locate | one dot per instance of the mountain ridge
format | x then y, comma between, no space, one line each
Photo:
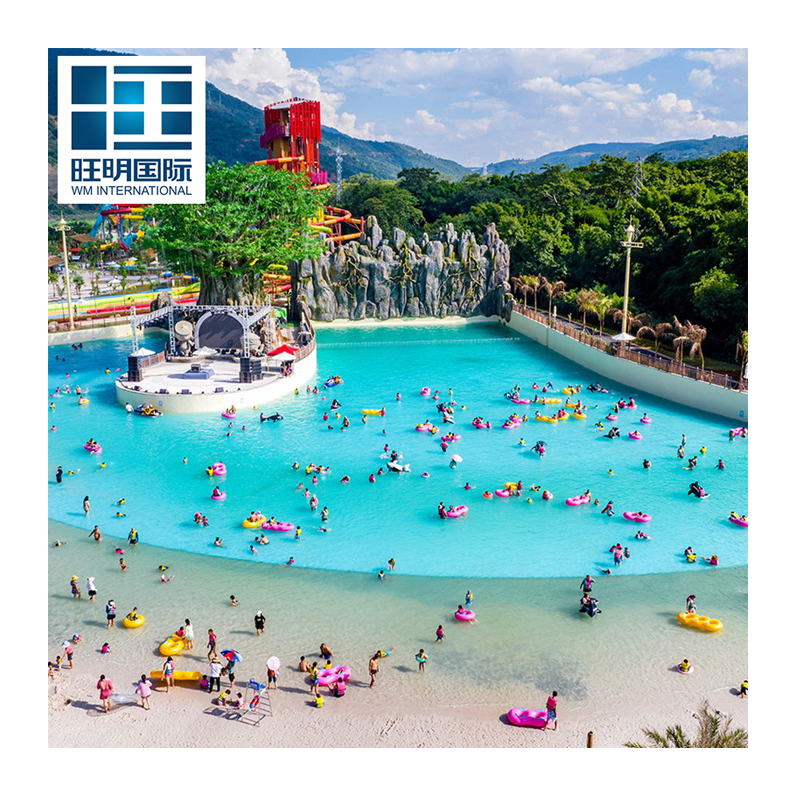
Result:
233,128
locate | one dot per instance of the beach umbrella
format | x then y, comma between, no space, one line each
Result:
457,458
273,662
232,655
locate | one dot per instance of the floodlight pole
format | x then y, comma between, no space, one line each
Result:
63,227
628,244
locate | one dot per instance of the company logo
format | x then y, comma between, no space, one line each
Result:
131,127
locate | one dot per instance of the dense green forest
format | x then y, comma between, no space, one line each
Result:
564,228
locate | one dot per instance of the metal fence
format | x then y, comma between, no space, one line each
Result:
634,354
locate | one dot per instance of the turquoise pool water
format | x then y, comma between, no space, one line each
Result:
395,517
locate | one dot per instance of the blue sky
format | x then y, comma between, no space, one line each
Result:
483,105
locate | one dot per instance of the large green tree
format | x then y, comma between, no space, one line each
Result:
253,219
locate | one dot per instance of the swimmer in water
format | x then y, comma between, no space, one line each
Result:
646,464
218,542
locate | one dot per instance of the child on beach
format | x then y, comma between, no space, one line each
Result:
440,634
105,648
144,690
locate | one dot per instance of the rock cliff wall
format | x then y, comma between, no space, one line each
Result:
380,277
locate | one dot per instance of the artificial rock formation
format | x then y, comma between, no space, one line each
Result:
377,277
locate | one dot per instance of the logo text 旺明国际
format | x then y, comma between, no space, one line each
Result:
131,126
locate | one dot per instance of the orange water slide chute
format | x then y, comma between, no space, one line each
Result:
283,160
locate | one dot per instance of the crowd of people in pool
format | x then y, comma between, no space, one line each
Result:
588,603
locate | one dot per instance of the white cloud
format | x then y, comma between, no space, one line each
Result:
701,78
720,59
425,121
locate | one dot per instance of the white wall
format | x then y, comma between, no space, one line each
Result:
686,391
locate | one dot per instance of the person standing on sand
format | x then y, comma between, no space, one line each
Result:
440,637
73,583
106,690
212,643
91,589
551,711
260,620
214,672
373,668
143,689
421,659
111,613
168,673
189,631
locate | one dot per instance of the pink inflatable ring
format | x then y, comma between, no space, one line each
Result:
527,717
458,511
635,516
332,674
465,615
282,527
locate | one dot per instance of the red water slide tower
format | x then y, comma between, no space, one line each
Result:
292,133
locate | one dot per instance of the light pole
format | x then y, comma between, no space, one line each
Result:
63,227
628,244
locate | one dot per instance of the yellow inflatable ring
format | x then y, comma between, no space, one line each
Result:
171,646
578,415
133,623
257,524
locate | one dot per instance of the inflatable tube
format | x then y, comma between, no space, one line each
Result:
178,675
458,511
548,400
93,448
577,501
738,431
332,674
684,671
466,615
578,415
220,496
219,468
374,412
634,516
527,717
427,427
546,495
540,418
451,437
645,420
82,401
281,527
247,523
229,414
520,400
171,646
511,423
502,492
738,521
570,390
481,423
333,381
133,623
612,417
425,391
635,435
702,623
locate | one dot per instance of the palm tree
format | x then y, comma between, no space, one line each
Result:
531,282
741,350
587,301
715,731
658,333
603,305
692,335
554,290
